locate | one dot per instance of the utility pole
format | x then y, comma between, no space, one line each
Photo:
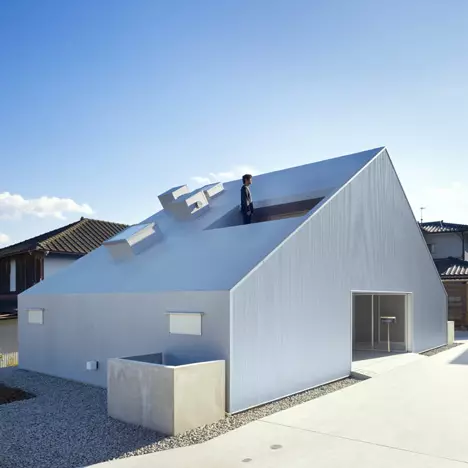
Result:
422,209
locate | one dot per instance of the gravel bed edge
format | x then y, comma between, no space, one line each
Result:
433,352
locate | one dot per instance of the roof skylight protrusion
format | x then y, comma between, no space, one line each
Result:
183,204
189,204
212,190
133,240
171,195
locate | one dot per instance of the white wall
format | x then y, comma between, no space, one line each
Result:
12,275
291,317
81,328
446,245
8,336
53,264
466,247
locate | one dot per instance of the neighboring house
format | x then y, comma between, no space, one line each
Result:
333,249
8,340
448,244
25,264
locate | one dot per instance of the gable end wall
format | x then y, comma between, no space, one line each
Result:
291,316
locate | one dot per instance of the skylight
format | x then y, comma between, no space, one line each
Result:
133,240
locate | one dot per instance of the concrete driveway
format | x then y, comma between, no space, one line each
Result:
409,417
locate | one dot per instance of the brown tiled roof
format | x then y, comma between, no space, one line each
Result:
452,268
78,238
437,227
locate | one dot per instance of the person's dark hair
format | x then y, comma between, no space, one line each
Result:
246,177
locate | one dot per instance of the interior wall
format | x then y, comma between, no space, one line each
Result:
362,319
393,306
376,319
384,305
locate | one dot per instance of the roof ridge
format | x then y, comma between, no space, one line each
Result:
102,221
441,221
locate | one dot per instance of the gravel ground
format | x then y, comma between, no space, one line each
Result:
432,352
66,425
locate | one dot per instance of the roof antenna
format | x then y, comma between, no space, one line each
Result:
422,209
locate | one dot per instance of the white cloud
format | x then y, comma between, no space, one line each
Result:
235,173
448,203
4,239
15,206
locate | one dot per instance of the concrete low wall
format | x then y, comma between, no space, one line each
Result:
450,332
167,399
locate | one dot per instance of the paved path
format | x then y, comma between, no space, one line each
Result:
407,418
372,363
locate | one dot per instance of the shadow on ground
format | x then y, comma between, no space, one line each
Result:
462,359
366,355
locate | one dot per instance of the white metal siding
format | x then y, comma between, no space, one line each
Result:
291,317
54,264
96,327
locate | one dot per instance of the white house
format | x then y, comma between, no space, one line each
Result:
334,249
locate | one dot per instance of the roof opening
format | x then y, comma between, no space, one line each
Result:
268,213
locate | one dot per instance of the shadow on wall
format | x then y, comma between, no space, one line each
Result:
268,212
462,359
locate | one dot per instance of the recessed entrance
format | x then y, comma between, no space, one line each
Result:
380,322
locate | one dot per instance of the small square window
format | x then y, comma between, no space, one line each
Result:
431,248
36,316
185,323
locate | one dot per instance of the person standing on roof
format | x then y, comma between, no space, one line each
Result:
247,207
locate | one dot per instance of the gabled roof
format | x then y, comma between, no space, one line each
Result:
452,268
200,251
438,227
77,238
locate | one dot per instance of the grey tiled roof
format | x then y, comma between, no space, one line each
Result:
436,227
452,268
78,238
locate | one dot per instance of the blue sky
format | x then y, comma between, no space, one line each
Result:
105,104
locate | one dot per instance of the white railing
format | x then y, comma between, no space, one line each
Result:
8,359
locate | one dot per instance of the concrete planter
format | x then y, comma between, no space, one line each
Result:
148,391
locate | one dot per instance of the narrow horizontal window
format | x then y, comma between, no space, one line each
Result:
185,323
455,299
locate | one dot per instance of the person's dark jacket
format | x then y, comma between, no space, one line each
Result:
246,201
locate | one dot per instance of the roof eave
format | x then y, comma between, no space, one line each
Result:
41,250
